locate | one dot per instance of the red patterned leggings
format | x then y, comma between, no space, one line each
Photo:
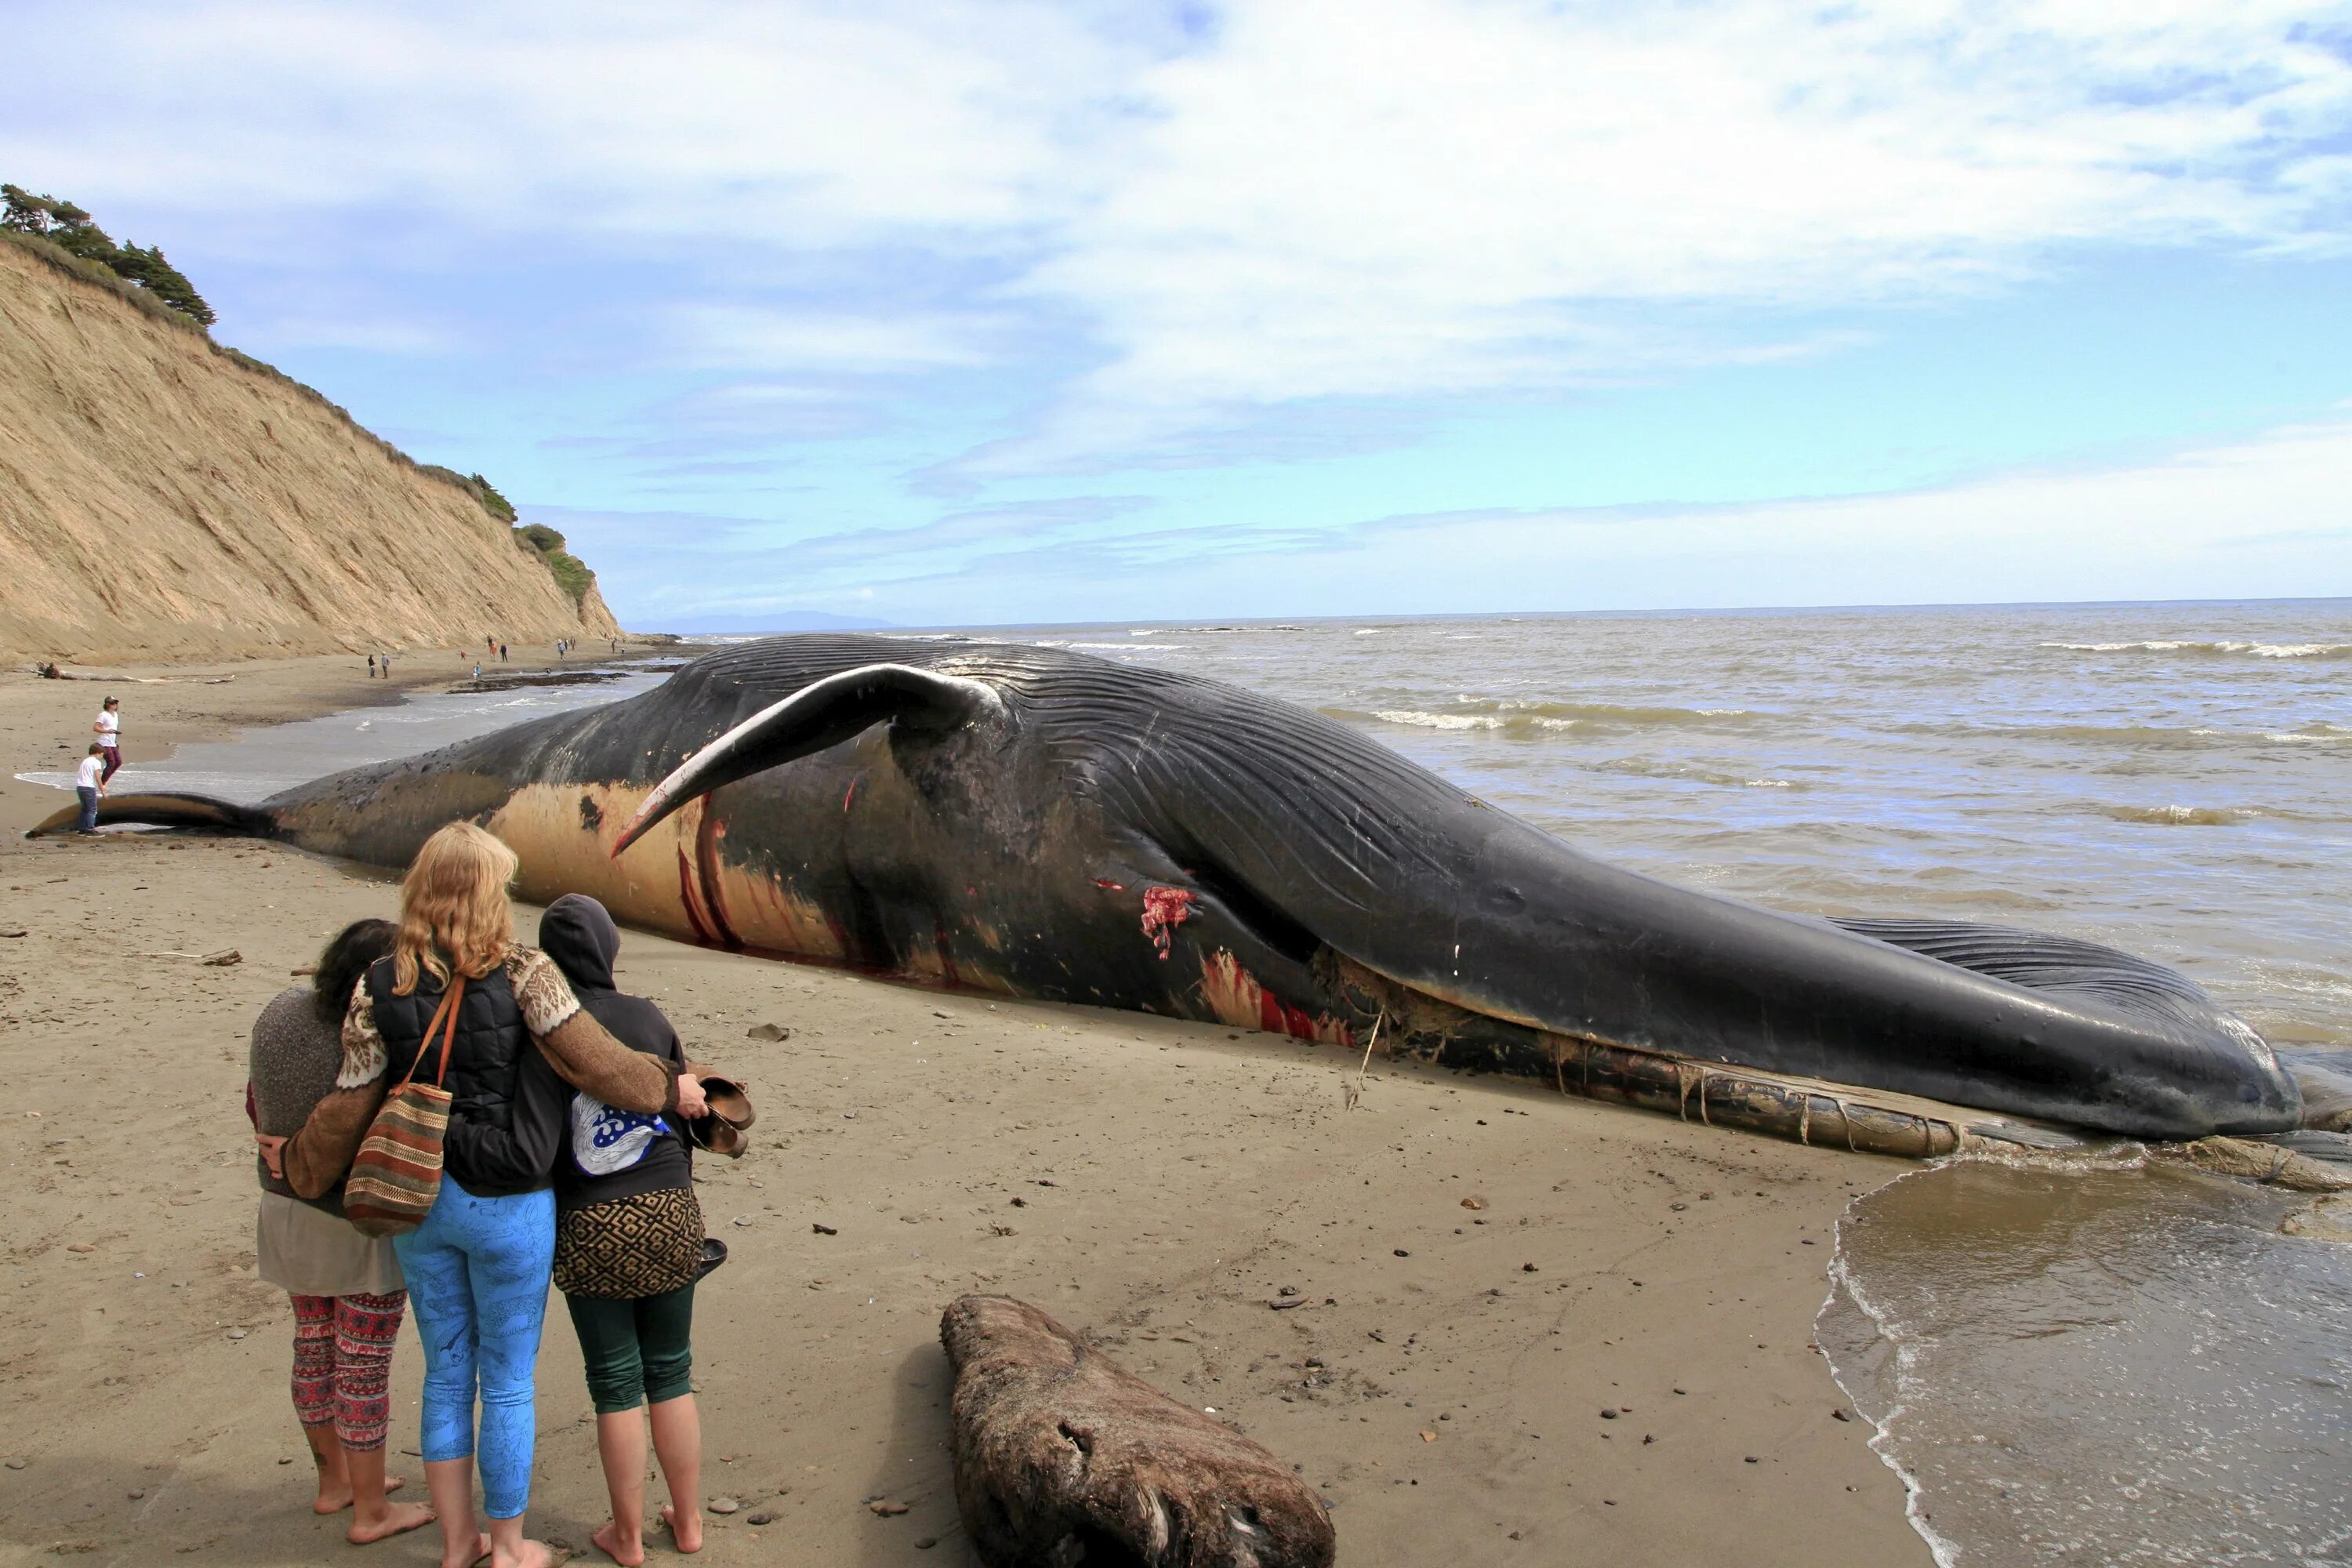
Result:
343,1363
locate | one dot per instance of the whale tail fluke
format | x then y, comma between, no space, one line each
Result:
198,811
823,713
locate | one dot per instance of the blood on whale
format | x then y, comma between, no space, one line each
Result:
1165,908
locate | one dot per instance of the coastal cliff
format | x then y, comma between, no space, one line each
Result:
161,497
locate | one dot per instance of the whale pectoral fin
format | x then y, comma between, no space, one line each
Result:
2040,961
165,810
819,715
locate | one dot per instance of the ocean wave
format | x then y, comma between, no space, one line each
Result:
1420,721
1648,768
1110,646
1524,717
2185,815
2219,648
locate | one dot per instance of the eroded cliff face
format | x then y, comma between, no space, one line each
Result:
159,499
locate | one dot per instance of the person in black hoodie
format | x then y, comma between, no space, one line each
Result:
628,1247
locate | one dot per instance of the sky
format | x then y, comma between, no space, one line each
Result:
931,312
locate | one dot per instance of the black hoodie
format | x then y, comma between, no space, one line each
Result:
625,1154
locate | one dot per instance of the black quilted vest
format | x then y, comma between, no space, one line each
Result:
486,1059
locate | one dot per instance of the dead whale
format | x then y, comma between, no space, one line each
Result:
1039,823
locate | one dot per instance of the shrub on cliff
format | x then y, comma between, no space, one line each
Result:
71,231
571,573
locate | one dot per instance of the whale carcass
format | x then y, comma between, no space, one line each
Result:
1039,823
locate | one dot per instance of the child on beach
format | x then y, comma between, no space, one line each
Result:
109,730
89,783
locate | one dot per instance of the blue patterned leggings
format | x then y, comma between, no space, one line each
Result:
477,1275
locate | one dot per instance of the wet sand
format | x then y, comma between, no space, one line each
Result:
1153,1184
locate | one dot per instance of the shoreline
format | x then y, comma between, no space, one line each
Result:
1667,1256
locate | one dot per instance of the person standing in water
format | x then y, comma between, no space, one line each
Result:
107,728
347,1290
478,1266
629,1250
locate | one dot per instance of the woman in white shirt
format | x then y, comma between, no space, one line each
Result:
89,783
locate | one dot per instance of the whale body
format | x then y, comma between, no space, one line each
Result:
1039,823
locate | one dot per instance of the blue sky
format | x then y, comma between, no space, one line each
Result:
943,312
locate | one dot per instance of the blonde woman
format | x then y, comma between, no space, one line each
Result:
478,1266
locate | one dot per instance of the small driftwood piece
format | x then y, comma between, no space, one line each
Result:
1062,1458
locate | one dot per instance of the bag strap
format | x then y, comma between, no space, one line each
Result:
449,1033
446,1010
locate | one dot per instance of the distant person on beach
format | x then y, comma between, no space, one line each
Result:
628,1250
371,666
107,728
478,1266
347,1290
89,783
502,653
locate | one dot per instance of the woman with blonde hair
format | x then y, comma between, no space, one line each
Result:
480,1264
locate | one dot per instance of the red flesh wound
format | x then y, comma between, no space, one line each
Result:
1165,908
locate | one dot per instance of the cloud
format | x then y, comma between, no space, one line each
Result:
670,562
789,339
1400,197
2259,518
1208,214
2262,517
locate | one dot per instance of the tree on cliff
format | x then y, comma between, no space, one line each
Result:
71,229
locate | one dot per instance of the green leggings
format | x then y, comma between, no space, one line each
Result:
639,1352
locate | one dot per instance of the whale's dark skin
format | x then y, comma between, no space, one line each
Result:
1043,823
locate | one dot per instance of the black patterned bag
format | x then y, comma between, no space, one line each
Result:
647,1244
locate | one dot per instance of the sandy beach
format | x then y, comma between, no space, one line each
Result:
1155,1184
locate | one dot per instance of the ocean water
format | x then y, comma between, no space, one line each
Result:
2068,1363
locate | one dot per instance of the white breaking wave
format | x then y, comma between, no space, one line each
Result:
2259,649
1449,720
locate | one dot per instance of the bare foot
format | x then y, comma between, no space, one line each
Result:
398,1520
607,1540
336,1497
534,1554
688,1534
481,1554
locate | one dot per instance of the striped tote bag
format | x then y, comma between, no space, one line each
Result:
397,1173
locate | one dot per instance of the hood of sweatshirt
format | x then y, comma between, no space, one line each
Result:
579,934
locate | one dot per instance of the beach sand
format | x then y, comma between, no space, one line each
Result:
1155,1184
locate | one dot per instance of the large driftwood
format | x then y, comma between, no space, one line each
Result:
1062,1458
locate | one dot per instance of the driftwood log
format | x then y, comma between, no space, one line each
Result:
1062,1458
